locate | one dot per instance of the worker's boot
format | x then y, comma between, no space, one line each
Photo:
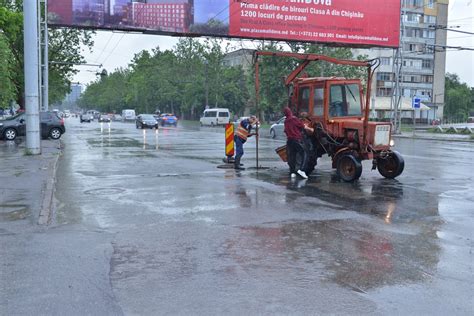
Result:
237,164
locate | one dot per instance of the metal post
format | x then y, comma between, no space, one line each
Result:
207,83
31,70
45,68
257,92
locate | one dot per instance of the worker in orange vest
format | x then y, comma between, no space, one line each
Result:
243,132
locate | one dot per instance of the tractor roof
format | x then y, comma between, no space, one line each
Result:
311,79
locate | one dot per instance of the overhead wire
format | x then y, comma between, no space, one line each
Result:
112,51
105,47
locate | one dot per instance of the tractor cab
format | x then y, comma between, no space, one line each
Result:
326,99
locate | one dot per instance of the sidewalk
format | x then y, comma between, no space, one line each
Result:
435,136
26,183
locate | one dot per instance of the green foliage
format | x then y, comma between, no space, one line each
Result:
64,46
171,81
180,80
459,99
7,85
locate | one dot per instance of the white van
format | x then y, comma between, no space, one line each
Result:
214,117
128,115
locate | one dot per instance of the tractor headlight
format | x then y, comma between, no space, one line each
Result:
392,143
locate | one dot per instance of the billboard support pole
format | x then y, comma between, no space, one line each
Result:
31,70
257,113
45,65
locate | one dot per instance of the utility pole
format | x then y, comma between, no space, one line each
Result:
31,70
45,65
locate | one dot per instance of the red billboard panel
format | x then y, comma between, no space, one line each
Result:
351,22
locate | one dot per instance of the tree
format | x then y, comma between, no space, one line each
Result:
7,85
172,81
458,99
64,47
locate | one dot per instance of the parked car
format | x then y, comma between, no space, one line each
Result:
146,121
51,126
86,117
117,117
277,129
168,119
105,118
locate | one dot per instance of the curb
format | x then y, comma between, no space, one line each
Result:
465,140
46,211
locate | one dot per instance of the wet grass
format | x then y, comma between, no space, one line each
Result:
406,128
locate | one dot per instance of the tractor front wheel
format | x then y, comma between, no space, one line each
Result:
349,168
391,165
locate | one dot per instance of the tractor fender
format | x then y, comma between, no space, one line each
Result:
338,154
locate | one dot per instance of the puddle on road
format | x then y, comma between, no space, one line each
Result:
387,199
107,142
349,253
13,212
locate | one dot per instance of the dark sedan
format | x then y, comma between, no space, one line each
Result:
146,121
51,126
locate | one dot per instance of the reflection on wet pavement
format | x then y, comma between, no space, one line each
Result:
13,212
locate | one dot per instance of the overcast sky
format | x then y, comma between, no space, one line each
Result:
114,49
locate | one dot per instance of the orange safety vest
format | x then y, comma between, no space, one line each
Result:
242,132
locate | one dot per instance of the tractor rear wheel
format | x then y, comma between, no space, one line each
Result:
349,168
391,166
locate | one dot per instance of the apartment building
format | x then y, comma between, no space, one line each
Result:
422,59
162,15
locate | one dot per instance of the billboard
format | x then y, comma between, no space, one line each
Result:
342,22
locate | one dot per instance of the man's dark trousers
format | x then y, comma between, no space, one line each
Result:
293,147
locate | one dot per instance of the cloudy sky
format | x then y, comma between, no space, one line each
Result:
114,49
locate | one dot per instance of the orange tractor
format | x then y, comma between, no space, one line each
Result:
340,117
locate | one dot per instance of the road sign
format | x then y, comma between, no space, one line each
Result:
416,104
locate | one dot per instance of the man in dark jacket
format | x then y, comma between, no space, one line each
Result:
243,132
294,128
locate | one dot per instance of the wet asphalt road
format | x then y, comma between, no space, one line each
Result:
147,224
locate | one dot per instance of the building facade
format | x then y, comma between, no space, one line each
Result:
60,12
90,12
242,57
161,15
422,59
75,94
